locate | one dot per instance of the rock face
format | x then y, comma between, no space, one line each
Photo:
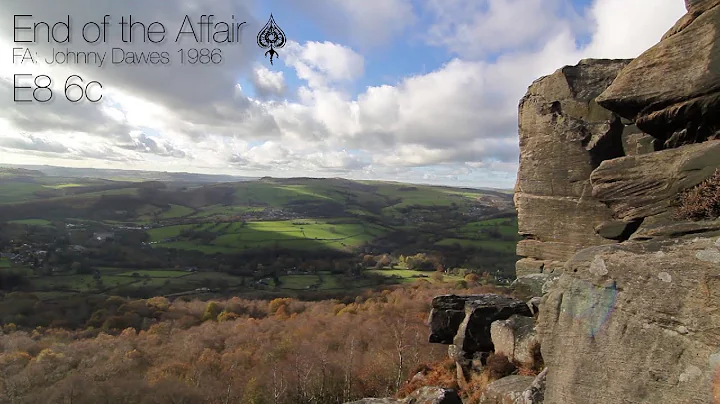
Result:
637,321
468,319
635,314
564,135
700,6
672,89
664,231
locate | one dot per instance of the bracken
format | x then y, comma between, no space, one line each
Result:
701,202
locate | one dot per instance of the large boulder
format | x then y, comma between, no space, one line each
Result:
517,340
634,322
473,334
464,321
446,315
564,135
672,90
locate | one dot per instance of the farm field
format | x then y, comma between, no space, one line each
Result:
301,234
410,276
32,222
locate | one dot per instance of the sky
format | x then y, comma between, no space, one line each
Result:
422,91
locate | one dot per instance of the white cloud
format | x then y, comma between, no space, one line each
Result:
472,29
267,82
625,29
324,63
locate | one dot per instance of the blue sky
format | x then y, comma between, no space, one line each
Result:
408,90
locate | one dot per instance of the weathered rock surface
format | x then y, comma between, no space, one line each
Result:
508,390
464,321
639,186
616,229
635,322
529,266
473,334
564,135
636,142
558,240
535,284
425,395
666,228
534,305
448,312
548,250
672,90
516,339
700,6
535,394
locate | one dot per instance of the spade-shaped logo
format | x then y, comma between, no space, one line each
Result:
272,37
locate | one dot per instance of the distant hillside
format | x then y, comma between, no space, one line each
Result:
13,172
279,235
126,175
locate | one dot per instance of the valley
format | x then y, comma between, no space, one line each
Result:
64,238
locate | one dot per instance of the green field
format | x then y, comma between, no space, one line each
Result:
32,222
162,233
409,276
63,186
18,192
419,195
494,234
300,234
157,273
298,281
506,226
